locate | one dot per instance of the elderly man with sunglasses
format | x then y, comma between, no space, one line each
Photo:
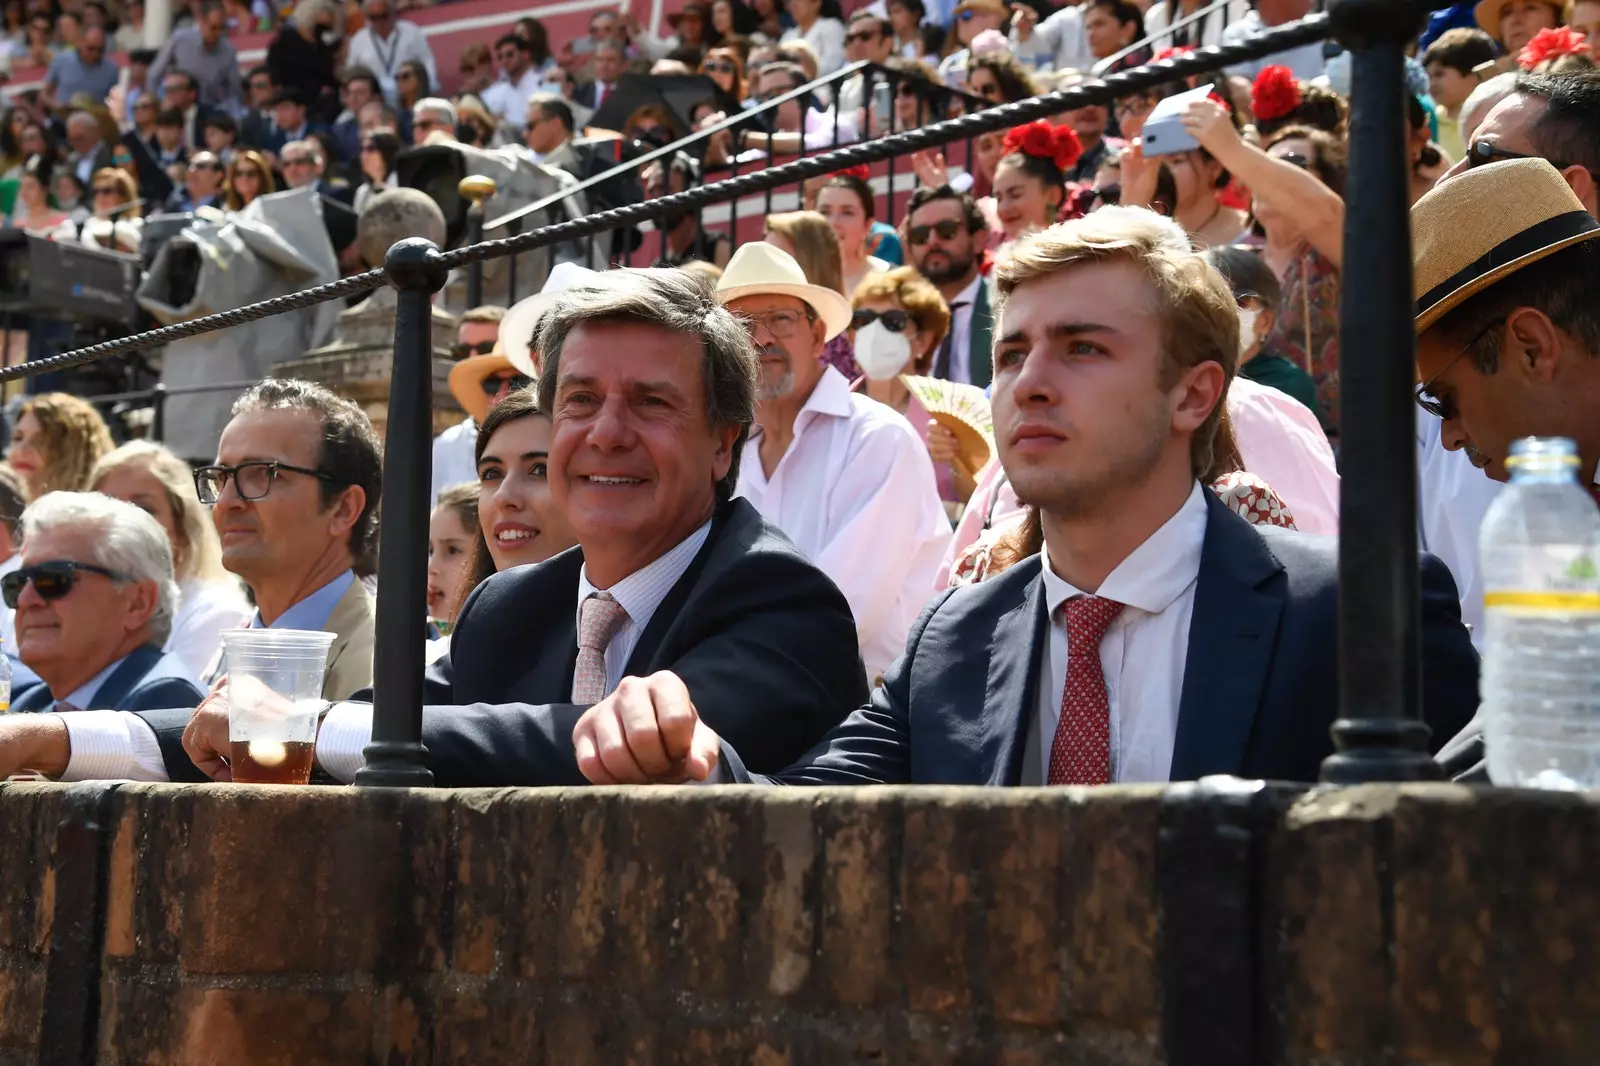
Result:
94,601
1554,117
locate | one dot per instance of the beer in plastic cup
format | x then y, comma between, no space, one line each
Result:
274,700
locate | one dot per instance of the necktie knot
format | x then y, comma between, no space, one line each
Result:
1088,618
598,621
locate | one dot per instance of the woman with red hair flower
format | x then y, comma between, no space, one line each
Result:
1030,183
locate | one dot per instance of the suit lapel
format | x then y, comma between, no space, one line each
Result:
980,354
553,666
642,660
348,615
1013,683
1232,633
112,691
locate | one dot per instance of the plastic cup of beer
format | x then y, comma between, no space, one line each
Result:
274,700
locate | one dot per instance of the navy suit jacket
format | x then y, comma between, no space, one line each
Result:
764,640
1259,686
146,679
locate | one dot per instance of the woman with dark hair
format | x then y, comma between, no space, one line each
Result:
518,521
999,78
411,84
32,211
733,18
379,150
1112,25
820,24
249,176
1030,183
905,17
724,66
532,30
772,19
303,57
12,122
846,201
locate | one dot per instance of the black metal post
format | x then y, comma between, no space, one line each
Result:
1380,733
158,412
475,270
396,756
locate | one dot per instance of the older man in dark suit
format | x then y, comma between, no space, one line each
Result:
1156,635
651,387
95,599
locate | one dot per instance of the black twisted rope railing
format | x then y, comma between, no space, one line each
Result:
1098,91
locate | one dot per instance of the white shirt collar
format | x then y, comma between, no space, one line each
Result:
642,591
969,295
1155,573
86,692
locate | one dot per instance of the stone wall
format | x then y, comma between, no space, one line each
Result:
1216,923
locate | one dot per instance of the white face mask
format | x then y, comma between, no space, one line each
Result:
880,353
1247,329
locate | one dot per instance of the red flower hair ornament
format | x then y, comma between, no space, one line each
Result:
1173,52
1274,94
1552,44
858,171
1059,144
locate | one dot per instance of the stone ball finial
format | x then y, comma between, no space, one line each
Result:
392,216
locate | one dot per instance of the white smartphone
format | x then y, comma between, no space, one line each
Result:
1163,130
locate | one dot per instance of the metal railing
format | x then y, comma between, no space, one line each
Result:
1380,735
931,98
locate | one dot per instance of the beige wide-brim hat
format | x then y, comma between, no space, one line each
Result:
1487,15
516,328
466,381
762,269
1469,232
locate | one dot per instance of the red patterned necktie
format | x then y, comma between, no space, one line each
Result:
1081,751
598,621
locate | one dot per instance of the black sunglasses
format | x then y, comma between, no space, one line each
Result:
894,321
718,66
51,580
461,351
492,384
947,229
1444,408
858,38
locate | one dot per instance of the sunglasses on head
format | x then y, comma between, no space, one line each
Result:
51,580
894,321
493,383
946,229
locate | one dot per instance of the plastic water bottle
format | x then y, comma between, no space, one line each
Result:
1540,553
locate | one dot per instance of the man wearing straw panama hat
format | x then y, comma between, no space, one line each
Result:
845,476
1508,327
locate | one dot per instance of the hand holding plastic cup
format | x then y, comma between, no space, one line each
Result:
274,701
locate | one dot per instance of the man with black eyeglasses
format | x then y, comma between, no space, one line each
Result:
1554,117
294,497
944,233
868,38
94,600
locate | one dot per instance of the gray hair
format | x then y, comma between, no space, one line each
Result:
1482,100
673,300
126,540
435,106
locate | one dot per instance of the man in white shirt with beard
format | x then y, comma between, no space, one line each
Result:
846,477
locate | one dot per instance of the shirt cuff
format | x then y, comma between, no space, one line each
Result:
111,746
345,733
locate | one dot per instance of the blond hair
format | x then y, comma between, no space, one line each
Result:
1199,318
199,556
816,247
917,296
72,438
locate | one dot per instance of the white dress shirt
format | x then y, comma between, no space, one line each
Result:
205,610
1058,43
1281,442
1306,62
383,57
1208,27
826,38
452,457
1143,654
856,494
961,331
508,101
1453,496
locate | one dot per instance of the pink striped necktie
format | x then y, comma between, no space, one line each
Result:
599,619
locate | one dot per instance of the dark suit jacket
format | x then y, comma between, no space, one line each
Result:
981,331
147,679
1259,687
195,132
763,639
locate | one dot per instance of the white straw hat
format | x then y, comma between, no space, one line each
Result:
762,269
516,328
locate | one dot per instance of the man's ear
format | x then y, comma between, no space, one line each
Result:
1534,344
1583,186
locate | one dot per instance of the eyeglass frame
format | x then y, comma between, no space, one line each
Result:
763,319
1422,393
231,474
22,577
